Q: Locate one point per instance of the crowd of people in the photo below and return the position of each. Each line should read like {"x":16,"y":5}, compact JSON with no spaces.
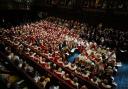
{"x":40,"y":79}
{"x":58,"y":39}
{"x":106,"y":4}
{"x":102,"y":35}
{"x":101,"y":4}
{"x":9,"y":79}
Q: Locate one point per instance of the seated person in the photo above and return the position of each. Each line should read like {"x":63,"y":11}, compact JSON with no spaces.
{"x":37,"y":78}
{"x":86,"y":74}
{"x":56,"y":57}
{"x":59,"y":72}
{"x":8,"y":49}
{"x":50,"y":56}
{"x":105,"y":84}
{"x":20,"y":63}
{"x":20,"y":48}
{"x":78,"y":70}
{"x":42,"y":60}
{"x":67,"y":64}
{"x":82,"y":57}
{"x":30,"y":70}
{"x":24,"y":66}
{"x":109,"y":71}
{"x":36,"y":58}
{"x":35,"y":47}
{"x":16,"y":57}
{"x":54,"y":87}
{"x":11,"y":79}
{"x":28,"y":49}
{"x":27,"y":52}
{"x":94,"y":80}
{"x":17,"y":43}
{"x":92,"y":56}
{"x":43,"y":81}
{"x":30,"y":44}
{"x":75,"y":82}
{"x":84,"y":87}
{"x":88,"y":61}
{"x":47,"y":65}
{"x":59,"y":61}
{"x":11,"y":55}
{"x":72,"y":66}
{"x":66,"y":77}
{"x":32,"y":54}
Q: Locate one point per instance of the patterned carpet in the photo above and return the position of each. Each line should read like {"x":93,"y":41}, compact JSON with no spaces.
{"x":122,"y":77}
{"x":74,"y":55}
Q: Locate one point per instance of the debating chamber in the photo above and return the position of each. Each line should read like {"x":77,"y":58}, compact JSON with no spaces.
{"x":63,"y":44}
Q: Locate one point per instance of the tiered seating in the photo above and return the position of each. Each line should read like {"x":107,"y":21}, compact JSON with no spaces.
{"x":51,"y":45}
{"x":12,"y":64}
{"x":42,"y":68}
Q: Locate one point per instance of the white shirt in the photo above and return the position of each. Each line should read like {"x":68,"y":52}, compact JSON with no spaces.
{"x":68,"y":65}
{"x":54,"y":87}
{"x":16,"y":57}
{"x":72,"y":68}
{"x":10,"y":56}
{"x":36,"y":78}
